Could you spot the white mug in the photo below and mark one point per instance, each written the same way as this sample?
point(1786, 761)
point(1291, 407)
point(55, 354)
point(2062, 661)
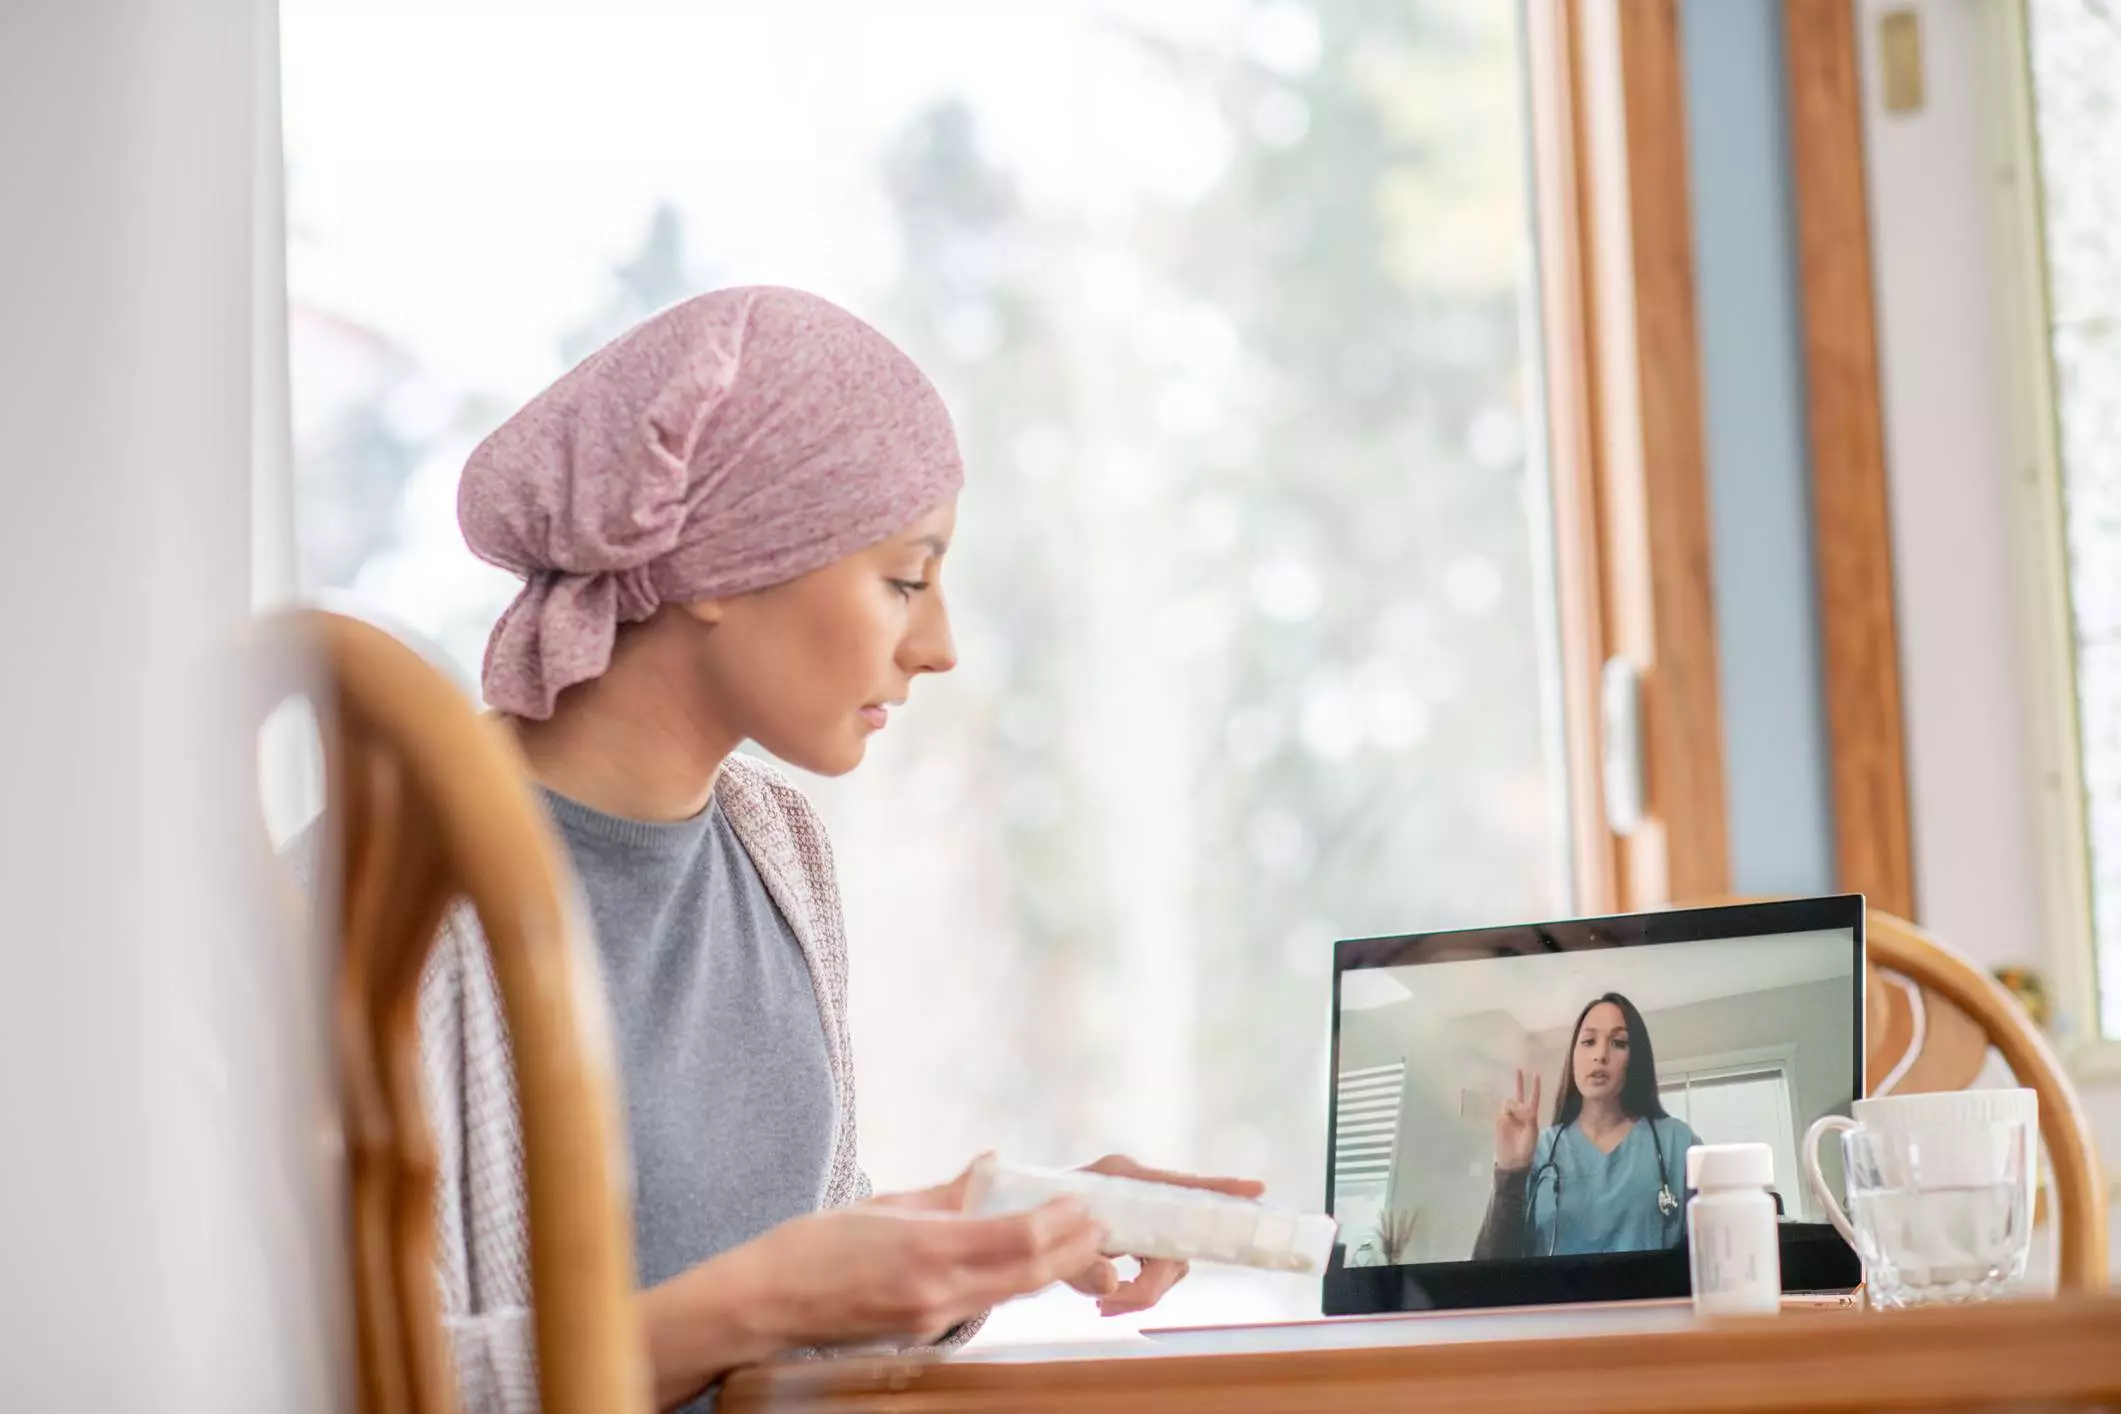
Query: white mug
point(1942, 1186)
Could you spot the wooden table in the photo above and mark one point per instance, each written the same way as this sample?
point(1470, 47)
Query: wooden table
point(2059, 1354)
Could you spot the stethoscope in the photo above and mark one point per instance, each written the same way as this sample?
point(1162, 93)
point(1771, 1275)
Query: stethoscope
point(1667, 1201)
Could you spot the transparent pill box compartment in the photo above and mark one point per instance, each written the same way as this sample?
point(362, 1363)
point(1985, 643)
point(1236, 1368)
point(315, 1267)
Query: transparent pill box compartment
point(1143, 1219)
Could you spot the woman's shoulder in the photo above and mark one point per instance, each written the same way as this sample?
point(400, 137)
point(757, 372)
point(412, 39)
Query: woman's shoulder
point(1682, 1133)
point(773, 818)
point(743, 771)
point(786, 841)
point(752, 789)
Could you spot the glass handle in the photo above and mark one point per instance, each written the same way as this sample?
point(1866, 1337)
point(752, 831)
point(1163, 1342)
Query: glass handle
point(1820, 1188)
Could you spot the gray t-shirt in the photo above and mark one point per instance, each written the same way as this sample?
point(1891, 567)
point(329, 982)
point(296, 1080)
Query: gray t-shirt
point(729, 1100)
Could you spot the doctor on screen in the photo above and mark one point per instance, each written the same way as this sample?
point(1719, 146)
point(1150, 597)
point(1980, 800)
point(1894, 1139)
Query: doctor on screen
point(1609, 1174)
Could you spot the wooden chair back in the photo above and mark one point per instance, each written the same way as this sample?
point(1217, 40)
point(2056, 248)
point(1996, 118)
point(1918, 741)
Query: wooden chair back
point(428, 805)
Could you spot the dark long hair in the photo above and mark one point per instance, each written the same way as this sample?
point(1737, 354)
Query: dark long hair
point(1638, 1093)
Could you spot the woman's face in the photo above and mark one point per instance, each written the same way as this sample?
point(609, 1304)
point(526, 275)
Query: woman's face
point(810, 669)
point(1601, 1056)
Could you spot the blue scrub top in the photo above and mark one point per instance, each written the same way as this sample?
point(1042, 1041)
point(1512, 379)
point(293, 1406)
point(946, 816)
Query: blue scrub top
point(1608, 1202)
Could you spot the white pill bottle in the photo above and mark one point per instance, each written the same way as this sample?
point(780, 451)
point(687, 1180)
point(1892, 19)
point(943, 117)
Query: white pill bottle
point(1731, 1230)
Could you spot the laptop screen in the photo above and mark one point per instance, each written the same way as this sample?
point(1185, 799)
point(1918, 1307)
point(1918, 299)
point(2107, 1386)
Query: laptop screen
point(1525, 1097)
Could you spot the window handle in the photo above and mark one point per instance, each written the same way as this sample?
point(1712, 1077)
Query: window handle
point(1620, 707)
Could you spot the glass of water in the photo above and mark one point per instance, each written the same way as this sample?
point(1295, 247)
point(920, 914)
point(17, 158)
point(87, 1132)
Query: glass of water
point(1940, 1194)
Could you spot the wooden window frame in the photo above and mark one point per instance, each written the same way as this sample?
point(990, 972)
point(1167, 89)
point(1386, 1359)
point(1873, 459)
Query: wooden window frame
point(1628, 468)
point(1851, 505)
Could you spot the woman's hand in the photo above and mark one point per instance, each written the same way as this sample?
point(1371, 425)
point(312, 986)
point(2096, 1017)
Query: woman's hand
point(1517, 1128)
point(881, 1270)
point(1116, 1297)
point(943, 1198)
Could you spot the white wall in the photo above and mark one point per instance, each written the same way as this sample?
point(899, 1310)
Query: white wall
point(1946, 384)
point(162, 1239)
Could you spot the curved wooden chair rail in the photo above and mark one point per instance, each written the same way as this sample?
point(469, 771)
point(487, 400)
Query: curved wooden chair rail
point(429, 805)
point(1899, 946)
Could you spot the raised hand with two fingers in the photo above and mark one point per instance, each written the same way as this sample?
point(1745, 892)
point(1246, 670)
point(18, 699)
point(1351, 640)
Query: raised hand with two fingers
point(1517, 1127)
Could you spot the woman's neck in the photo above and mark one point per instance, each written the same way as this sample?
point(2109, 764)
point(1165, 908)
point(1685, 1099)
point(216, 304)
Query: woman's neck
point(627, 743)
point(1602, 1117)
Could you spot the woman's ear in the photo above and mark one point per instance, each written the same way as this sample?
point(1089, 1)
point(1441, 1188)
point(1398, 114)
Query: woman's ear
point(704, 611)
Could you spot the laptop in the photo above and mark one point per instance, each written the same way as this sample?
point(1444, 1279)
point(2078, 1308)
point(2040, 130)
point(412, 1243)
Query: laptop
point(1511, 1107)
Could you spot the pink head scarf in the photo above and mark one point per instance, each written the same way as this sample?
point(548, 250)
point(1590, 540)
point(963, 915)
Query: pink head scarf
point(731, 443)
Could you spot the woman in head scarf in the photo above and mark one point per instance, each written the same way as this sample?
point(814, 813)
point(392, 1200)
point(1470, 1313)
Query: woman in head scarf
point(730, 525)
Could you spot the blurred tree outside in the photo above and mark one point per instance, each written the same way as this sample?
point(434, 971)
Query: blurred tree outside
point(1248, 584)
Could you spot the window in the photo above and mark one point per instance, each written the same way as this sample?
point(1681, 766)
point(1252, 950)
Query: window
point(1232, 302)
point(2074, 48)
point(1364, 1143)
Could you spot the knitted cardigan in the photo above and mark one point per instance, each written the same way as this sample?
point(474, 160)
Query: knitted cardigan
point(483, 1230)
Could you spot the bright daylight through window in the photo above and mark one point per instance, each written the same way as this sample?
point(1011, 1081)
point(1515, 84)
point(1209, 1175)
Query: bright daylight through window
point(2076, 54)
point(1231, 303)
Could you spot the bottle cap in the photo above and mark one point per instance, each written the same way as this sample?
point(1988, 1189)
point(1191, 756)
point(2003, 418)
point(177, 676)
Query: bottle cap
point(1713, 1166)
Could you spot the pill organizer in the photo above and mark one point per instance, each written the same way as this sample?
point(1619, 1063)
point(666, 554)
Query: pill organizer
point(1143, 1219)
